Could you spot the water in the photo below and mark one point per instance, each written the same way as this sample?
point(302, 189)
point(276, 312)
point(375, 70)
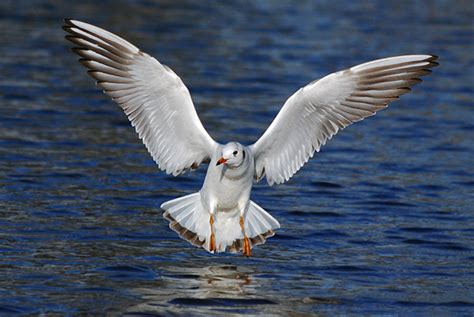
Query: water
point(379, 222)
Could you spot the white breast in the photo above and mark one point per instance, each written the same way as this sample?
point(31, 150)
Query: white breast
point(226, 188)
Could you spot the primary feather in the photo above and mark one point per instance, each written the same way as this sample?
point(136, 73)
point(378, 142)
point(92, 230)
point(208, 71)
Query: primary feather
point(319, 110)
point(153, 97)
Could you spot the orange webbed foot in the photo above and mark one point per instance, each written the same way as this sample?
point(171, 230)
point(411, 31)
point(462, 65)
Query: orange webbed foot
point(246, 249)
point(212, 238)
point(212, 243)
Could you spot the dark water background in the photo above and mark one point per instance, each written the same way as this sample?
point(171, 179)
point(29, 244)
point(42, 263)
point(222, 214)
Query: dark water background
point(380, 222)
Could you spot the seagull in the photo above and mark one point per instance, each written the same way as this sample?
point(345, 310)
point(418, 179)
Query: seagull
point(221, 217)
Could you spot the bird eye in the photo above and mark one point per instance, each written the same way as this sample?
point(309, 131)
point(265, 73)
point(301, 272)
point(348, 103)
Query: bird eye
point(235, 153)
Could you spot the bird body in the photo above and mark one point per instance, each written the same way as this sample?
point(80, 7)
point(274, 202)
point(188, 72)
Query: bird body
point(224, 196)
point(221, 216)
point(228, 186)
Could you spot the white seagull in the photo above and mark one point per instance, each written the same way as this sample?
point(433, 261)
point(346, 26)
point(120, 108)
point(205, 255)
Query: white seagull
point(221, 217)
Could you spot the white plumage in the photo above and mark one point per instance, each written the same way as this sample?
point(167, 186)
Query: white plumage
point(221, 216)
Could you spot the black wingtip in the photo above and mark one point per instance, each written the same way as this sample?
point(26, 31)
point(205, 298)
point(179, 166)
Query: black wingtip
point(432, 60)
point(70, 37)
point(68, 21)
point(67, 26)
point(77, 50)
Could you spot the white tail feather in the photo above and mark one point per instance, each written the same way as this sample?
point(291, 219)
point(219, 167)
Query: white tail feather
point(258, 221)
point(188, 218)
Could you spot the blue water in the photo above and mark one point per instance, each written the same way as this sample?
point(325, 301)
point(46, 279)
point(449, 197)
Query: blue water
point(381, 221)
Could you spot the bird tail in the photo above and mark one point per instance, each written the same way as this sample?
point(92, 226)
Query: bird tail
point(190, 220)
point(259, 226)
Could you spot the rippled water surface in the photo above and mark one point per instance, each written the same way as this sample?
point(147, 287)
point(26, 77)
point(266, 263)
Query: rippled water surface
point(381, 221)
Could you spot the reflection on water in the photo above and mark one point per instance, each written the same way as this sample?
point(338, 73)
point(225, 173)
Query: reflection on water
point(220, 286)
point(379, 222)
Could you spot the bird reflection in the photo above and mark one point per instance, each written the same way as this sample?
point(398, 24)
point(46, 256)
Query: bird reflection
point(215, 280)
point(199, 286)
point(225, 280)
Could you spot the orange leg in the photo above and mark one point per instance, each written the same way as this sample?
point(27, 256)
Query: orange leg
point(246, 249)
point(212, 240)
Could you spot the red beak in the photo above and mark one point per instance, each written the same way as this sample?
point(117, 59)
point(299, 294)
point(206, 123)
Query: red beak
point(220, 161)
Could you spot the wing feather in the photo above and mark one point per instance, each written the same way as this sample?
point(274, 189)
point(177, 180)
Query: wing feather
point(153, 97)
point(316, 112)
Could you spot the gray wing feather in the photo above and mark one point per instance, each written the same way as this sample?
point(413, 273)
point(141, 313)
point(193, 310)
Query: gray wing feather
point(153, 97)
point(316, 112)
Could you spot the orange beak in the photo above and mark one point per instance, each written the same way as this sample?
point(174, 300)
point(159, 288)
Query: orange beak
point(220, 161)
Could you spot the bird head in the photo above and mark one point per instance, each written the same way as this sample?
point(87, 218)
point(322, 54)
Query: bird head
point(232, 156)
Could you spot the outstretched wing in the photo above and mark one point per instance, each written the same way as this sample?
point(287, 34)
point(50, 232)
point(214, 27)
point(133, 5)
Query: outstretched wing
point(319, 110)
point(153, 97)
